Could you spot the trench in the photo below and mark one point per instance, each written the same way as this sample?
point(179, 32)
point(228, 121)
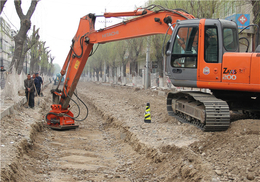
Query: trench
point(98, 150)
point(107, 148)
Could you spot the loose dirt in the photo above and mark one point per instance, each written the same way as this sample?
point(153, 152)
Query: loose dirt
point(114, 143)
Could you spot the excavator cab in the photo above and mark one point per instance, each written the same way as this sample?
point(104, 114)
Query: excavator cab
point(182, 55)
point(195, 51)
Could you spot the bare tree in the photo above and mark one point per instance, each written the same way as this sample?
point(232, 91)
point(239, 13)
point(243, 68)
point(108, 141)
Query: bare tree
point(135, 50)
point(157, 44)
point(95, 61)
point(121, 48)
point(35, 57)
point(51, 66)
point(44, 59)
point(25, 25)
point(28, 44)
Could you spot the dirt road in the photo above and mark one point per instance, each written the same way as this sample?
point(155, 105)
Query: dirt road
point(114, 143)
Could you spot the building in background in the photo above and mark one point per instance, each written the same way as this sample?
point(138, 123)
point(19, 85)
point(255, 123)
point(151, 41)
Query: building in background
point(7, 46)
point(241, 13)
point(6, 43)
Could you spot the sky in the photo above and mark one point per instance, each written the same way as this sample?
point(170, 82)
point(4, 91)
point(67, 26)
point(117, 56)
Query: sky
point(58, 20)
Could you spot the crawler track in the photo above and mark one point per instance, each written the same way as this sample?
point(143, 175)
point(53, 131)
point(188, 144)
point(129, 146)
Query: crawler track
point(200, 109)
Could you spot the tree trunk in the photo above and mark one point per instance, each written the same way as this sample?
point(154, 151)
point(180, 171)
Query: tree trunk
point(160, 67)
point(134, 68)
point(97, 74)
point(100, 69)
point(157, 45)
point(32, 65)
point(124, 69)
point(20, 66)
point(25, 25)
point(256, 20)
point(107, 71)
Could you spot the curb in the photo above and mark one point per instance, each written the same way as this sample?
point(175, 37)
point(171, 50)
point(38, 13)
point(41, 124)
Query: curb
point(8, 107)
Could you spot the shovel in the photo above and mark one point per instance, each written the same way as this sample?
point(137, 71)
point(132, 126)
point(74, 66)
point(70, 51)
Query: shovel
point(37, 95)
point(41, 91)
point(27, 104)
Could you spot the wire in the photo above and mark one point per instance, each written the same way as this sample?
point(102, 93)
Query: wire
point(247, 42)
point(64, 114)
point(81, 45)
point(93, 52)
point(84, 105)
point(78, 106)
point(9, 20)
point(257, 34)
point(161, 8)
point(165, 39)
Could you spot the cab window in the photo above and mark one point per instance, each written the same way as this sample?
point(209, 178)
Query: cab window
point(230, 39)
point(211, 44)
point(185, 48)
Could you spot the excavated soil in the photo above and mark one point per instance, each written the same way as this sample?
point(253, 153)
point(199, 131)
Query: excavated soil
point(114, 143)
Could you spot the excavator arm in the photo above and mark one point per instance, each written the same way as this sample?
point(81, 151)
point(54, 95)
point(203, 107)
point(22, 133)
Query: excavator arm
point(147, 22)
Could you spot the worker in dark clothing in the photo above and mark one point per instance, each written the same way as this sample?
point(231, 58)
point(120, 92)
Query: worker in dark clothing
point(29, 90)
point(38, 82)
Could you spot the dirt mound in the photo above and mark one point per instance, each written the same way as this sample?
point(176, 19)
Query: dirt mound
point(114, 143)
point(228, 155)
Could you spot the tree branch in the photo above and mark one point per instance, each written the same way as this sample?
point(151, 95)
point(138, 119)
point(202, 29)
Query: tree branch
point(32, 8)
point(18, 8)
point(34, 38)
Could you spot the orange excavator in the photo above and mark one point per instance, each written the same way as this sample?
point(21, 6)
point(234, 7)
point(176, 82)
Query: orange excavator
point(201, 53)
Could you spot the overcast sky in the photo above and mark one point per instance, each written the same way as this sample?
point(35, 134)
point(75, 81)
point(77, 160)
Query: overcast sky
point(58, 20)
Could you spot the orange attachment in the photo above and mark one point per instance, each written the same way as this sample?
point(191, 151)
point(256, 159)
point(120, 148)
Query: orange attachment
point(60, 118)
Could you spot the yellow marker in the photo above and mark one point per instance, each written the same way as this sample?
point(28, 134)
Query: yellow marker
point(76, 64)
point(147, 114)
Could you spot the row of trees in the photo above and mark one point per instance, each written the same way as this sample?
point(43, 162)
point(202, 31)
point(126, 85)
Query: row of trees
point(115, 54)
point(41, 59)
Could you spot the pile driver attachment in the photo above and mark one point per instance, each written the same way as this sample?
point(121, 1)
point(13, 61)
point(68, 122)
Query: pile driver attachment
point(60, 119)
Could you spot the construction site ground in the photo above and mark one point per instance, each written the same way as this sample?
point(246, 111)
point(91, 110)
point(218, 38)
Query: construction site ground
point(115, 144)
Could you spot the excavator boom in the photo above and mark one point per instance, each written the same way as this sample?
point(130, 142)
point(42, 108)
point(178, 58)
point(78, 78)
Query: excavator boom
point(146, 23)
point(150, 23)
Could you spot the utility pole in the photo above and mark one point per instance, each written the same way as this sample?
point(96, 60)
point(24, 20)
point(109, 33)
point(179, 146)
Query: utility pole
point(26, 65)
point(105, 65)
point(2, 52)
point(147, 83)
point(2, 46)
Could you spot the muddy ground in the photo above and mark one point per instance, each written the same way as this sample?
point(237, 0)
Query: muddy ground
point(114, 143)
